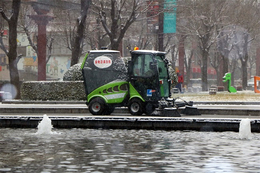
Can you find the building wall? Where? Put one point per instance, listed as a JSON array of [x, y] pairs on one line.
[[58, 64], [4, 67], [55, 68]]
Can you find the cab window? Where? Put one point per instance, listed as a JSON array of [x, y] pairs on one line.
[[143, 66]]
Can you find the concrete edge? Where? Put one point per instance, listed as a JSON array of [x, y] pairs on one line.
[[124, 110], [43, 102], [150, 123], [84, 102]]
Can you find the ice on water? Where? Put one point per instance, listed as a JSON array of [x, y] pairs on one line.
[[245, 129], [45, 126]]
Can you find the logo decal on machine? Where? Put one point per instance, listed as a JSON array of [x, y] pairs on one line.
[[150, 92], [102, 62], [115, 96]]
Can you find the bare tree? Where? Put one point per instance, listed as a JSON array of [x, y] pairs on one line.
[[200, 19], [95, 34], [12, 51], [78, 40], [66, 28], [215, 62], [116, 17], [187, 62], [222, 50], [174, 55], [248, 20]]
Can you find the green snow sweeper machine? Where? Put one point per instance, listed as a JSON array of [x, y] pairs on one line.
[[143, 85]]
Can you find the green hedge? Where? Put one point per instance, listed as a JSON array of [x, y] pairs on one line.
[[53, 90]]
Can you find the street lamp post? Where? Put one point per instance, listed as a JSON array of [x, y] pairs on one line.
[[41, 19]]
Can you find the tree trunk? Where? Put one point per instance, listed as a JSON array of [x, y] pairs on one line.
[[233, 69], [219, 71], [257, 62], [187, 62], [188, 72], [12, 52], [117, 27], [78, 40], [244, 61], [114, 45], [225, 69], [244, 72], [204, 70]]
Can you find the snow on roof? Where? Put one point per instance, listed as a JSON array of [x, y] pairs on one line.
[[148, 51], [107, 51]]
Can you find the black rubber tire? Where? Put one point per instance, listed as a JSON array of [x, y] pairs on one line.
[[96, 106], [109, 110], [135, 107], [149, 109]]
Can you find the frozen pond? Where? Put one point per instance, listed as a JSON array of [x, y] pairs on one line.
[[92, 150]]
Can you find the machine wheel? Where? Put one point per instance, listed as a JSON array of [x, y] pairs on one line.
[[97, 106], [149, 108], [109, 110], [135, 107]]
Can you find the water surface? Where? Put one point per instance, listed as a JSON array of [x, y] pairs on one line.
[[92, 150]]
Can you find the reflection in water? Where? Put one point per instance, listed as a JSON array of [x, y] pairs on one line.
[[89, 150]]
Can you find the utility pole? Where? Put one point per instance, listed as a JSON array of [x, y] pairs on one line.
[[181, 54], [160, 30]]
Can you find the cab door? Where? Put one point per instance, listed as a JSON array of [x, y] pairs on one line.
[[144, 76]]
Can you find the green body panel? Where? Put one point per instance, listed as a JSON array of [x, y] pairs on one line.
[[113, 92], [162, 90], [133, 93], [84, 60]]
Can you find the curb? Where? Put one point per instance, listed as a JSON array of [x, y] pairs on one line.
[[84, 102], [84, 110], [197, 123], [154, 123]]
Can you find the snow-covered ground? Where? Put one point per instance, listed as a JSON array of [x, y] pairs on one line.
[[240, 96]]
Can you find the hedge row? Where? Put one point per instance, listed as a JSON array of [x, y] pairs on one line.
[[53, 90]]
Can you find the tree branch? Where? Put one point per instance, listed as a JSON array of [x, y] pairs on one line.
[[4, 15], [29, 39], [49, 50]]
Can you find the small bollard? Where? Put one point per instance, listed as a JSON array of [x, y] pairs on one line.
[[213, 91]]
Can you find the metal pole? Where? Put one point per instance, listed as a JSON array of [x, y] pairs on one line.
[[160, 30]]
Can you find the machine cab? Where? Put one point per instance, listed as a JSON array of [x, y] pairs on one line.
[[148, 73]]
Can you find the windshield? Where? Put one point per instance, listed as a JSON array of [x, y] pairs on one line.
[[143, 66]]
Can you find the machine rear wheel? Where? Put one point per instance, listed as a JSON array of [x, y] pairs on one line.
[[109, 110], [149, 109], [97, 106], [135, 107]]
